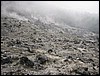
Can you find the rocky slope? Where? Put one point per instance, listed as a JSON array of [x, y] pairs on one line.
[[37, 48]]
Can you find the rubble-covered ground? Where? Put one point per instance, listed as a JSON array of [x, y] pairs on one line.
[[37, 48]]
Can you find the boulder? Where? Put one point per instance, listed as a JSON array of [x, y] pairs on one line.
[[25, 61], [42, 59]]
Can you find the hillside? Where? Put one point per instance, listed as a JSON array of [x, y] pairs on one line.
[[45, 48]]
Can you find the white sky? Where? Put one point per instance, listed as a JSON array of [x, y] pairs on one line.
[[87, 6]]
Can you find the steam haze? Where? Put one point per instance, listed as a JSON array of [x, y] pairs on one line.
[[82, 6], [83, 14]]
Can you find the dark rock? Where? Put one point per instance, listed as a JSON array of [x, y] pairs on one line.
[[86, 69], [5, 24], [18, 41], [70, 45], [69, 57], [76, 42], [50, 50], [42, 59], [10, 73], [25, 61], [39, 38], [90, 60], [86, 60], [82, 71], [65, 40], [6, 60], [30, 50], [41, 44], [10, 43]]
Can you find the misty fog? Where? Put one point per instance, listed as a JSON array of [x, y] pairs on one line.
[[49, 11]]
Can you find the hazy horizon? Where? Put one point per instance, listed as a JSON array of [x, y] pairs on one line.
[[83, 14]]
